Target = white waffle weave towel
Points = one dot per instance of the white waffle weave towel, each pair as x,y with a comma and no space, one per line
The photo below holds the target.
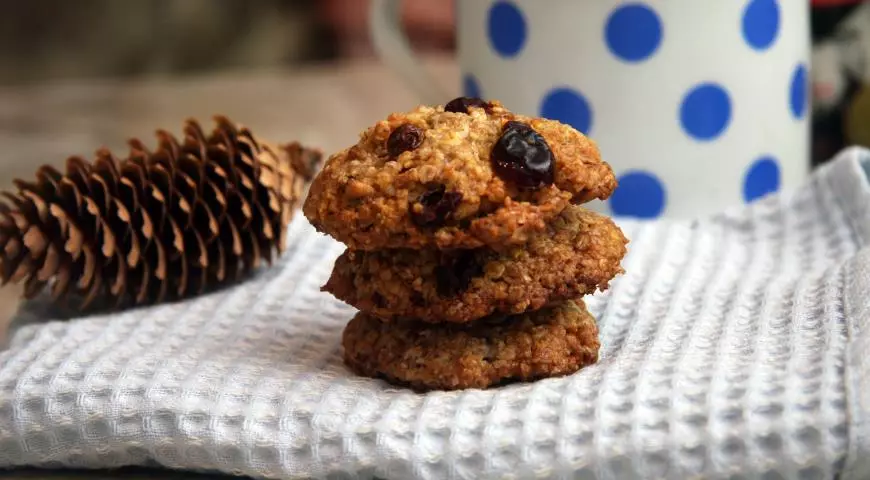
734,345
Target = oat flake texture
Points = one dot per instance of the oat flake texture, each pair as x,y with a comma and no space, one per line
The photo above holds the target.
734,345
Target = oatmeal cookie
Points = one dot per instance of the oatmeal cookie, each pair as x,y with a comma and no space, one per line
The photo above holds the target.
464,175
554,341
579,252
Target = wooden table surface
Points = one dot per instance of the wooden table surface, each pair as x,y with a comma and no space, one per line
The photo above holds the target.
324,106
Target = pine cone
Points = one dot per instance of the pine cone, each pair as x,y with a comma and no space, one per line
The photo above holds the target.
157,225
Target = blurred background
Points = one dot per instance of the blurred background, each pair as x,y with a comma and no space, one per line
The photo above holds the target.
51,39
77,75
103,42
840,76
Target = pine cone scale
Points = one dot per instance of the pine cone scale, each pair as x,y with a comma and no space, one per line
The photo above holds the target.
50,264
35,242
89,268
75,239
25,265
119,277
203,216
32,192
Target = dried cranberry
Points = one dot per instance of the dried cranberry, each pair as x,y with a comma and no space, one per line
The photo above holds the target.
523,157
417,299
404,138
437,205
455,273
462,104
379,300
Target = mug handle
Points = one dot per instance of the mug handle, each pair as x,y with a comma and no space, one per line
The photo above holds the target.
391,45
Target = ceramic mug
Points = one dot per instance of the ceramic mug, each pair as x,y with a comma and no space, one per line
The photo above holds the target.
697,105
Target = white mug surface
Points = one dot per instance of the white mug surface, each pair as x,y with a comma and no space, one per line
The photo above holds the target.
697,105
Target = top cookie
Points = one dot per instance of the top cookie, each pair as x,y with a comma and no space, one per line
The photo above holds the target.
464,175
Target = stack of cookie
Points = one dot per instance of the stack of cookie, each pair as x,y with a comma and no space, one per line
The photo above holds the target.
468,251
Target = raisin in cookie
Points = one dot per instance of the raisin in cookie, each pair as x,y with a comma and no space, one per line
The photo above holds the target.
577,253
464,175
550,342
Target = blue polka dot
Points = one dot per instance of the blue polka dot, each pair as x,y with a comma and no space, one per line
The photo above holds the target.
761,23
567,106
761,178
507,28
633,32
798,92
705,111
639,194
470,87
